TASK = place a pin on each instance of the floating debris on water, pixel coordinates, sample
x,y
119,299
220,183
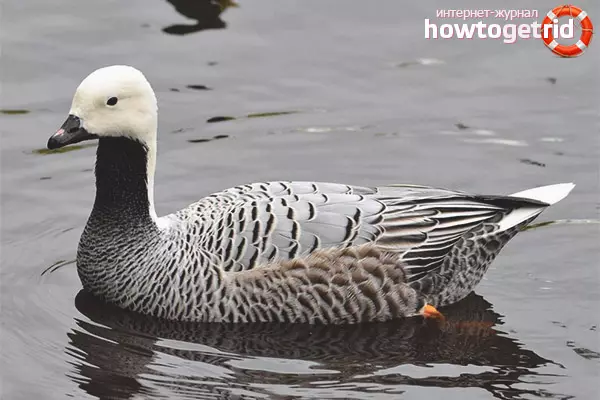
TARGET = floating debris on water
x,y
253,115
14,111
180,130
270,114
532,162
45,178
538,225
551,79
204,140
212,63
195,87
219,119
461,126
65,149
561,222
198,87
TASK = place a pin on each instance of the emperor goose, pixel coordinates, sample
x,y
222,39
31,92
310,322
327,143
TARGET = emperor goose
x,y
304,252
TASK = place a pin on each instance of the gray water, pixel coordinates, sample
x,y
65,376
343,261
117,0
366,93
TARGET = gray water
x,y
343,91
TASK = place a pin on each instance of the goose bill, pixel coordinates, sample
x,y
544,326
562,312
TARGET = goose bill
x,y
70,132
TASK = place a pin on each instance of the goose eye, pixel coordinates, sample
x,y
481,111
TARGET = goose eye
x,y
112,101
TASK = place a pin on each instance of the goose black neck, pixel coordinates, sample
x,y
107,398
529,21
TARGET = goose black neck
x,y
122,181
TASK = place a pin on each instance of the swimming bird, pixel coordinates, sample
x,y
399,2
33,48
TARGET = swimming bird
x,y
298,252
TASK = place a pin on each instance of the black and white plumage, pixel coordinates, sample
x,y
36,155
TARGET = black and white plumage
x,y
274,251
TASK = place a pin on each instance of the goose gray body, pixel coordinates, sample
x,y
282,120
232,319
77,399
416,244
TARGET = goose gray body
x,y
274,251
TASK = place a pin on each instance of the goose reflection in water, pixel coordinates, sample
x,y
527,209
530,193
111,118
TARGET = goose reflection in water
x,y
115,355
206,13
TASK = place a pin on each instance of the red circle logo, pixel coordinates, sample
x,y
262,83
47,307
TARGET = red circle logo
x,y
548,25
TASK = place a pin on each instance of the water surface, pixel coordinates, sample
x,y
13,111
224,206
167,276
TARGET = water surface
x,y
343,91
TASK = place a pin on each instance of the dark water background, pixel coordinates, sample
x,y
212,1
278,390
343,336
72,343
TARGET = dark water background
x,y
368,102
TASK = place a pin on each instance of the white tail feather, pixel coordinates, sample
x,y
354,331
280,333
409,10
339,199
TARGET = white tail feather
x,y
550,194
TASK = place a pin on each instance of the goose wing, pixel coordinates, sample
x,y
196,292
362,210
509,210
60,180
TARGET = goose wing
x,y
250,225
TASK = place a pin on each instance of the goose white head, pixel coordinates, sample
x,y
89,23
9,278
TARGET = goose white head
x,y
115,101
